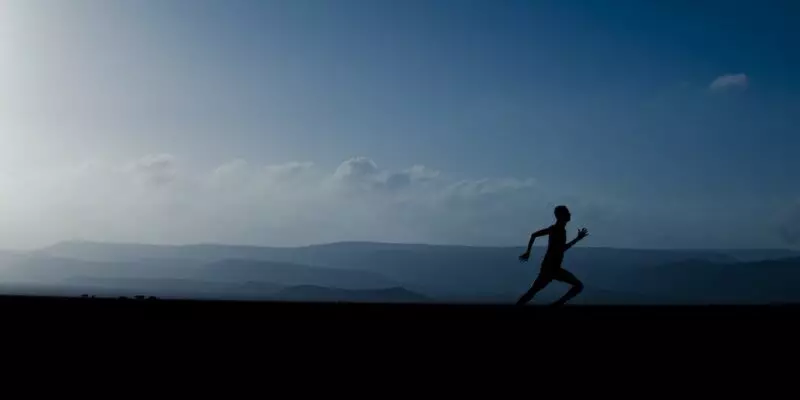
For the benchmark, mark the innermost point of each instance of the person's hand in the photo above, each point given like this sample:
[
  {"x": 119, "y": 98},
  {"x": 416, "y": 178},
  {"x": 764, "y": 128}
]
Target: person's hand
[
  {"x": 524, "y": 257},
  {"x": 582, "y": 233}
]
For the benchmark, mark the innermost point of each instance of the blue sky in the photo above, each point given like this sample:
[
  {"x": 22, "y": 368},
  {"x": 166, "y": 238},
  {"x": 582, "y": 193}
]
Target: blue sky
[{"x": 608, "y": 106}]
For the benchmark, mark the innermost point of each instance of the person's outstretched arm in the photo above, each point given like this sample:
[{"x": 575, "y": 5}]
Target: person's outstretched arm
[
  {"x": 541, "y": 232},
  {"x": 582, "y": 233}
]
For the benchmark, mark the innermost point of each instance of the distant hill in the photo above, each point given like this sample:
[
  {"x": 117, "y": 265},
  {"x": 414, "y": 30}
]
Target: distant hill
[
  {"x": 288, "y": 274},
  {"x": 697, "y": 281},
  {"x": 168, "y": 273},
  {"x": 760, "y": 254},
  {"x": 39, "y": 268},
  {"x": 132, "y": 252},
  {"x": 318, "y": 293}
]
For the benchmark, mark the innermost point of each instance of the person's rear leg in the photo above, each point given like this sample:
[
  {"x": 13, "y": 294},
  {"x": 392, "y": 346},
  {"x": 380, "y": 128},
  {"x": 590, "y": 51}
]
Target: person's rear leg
[
  {"x": 565, "y": 276},
  {"x": 541, "y": 281}
]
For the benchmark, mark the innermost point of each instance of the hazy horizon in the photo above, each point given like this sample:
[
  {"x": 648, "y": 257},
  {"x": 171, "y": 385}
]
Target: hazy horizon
[
  {"x": 662, "y": 125},
  {"x": 539, "y": 245}
]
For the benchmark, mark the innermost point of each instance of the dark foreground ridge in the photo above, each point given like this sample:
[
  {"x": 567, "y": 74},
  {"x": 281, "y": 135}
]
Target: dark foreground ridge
[
  {"x": 155, "y": 326},
  {"x": 150, "y": 308}
]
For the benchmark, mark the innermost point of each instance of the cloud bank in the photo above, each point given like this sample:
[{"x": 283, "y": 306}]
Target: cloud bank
[
  {"x": 164, "y": 199},
  {"x": 158, "y": 199}
]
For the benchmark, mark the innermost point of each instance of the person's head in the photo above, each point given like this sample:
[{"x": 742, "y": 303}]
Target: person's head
[{"x": 562, "y": 214}]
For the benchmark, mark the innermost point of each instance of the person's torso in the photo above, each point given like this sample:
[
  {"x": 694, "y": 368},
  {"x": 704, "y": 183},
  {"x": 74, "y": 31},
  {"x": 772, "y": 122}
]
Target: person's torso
[{"x": 557, "y": 241}]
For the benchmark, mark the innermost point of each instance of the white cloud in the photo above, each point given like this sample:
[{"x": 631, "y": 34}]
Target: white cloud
[
  {"x": 155, "y": 169},
  {"x": 422, "y": 173},
  {"x": 729, "y": 81},
  {"x": 363, "y": 172},
  {"x": 416, "y": 175},
  {"x": 357, "y": 168}
]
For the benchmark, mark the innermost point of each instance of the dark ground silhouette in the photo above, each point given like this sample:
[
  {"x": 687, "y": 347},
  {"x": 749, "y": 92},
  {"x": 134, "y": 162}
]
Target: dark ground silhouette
[{"x": 551, "y": 268}]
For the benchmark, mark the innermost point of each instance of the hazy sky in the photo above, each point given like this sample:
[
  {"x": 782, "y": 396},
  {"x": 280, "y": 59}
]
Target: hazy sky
[{"x": 661, "y": 124}]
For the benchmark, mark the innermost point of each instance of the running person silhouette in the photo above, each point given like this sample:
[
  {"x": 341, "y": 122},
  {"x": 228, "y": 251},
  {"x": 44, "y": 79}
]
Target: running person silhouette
[{"x": 551, "y": 264}]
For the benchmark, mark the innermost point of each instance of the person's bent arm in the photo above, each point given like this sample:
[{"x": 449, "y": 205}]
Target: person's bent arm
[
  {"x": 582, "y": 233},
  {"x": 541, "y": 232}
]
